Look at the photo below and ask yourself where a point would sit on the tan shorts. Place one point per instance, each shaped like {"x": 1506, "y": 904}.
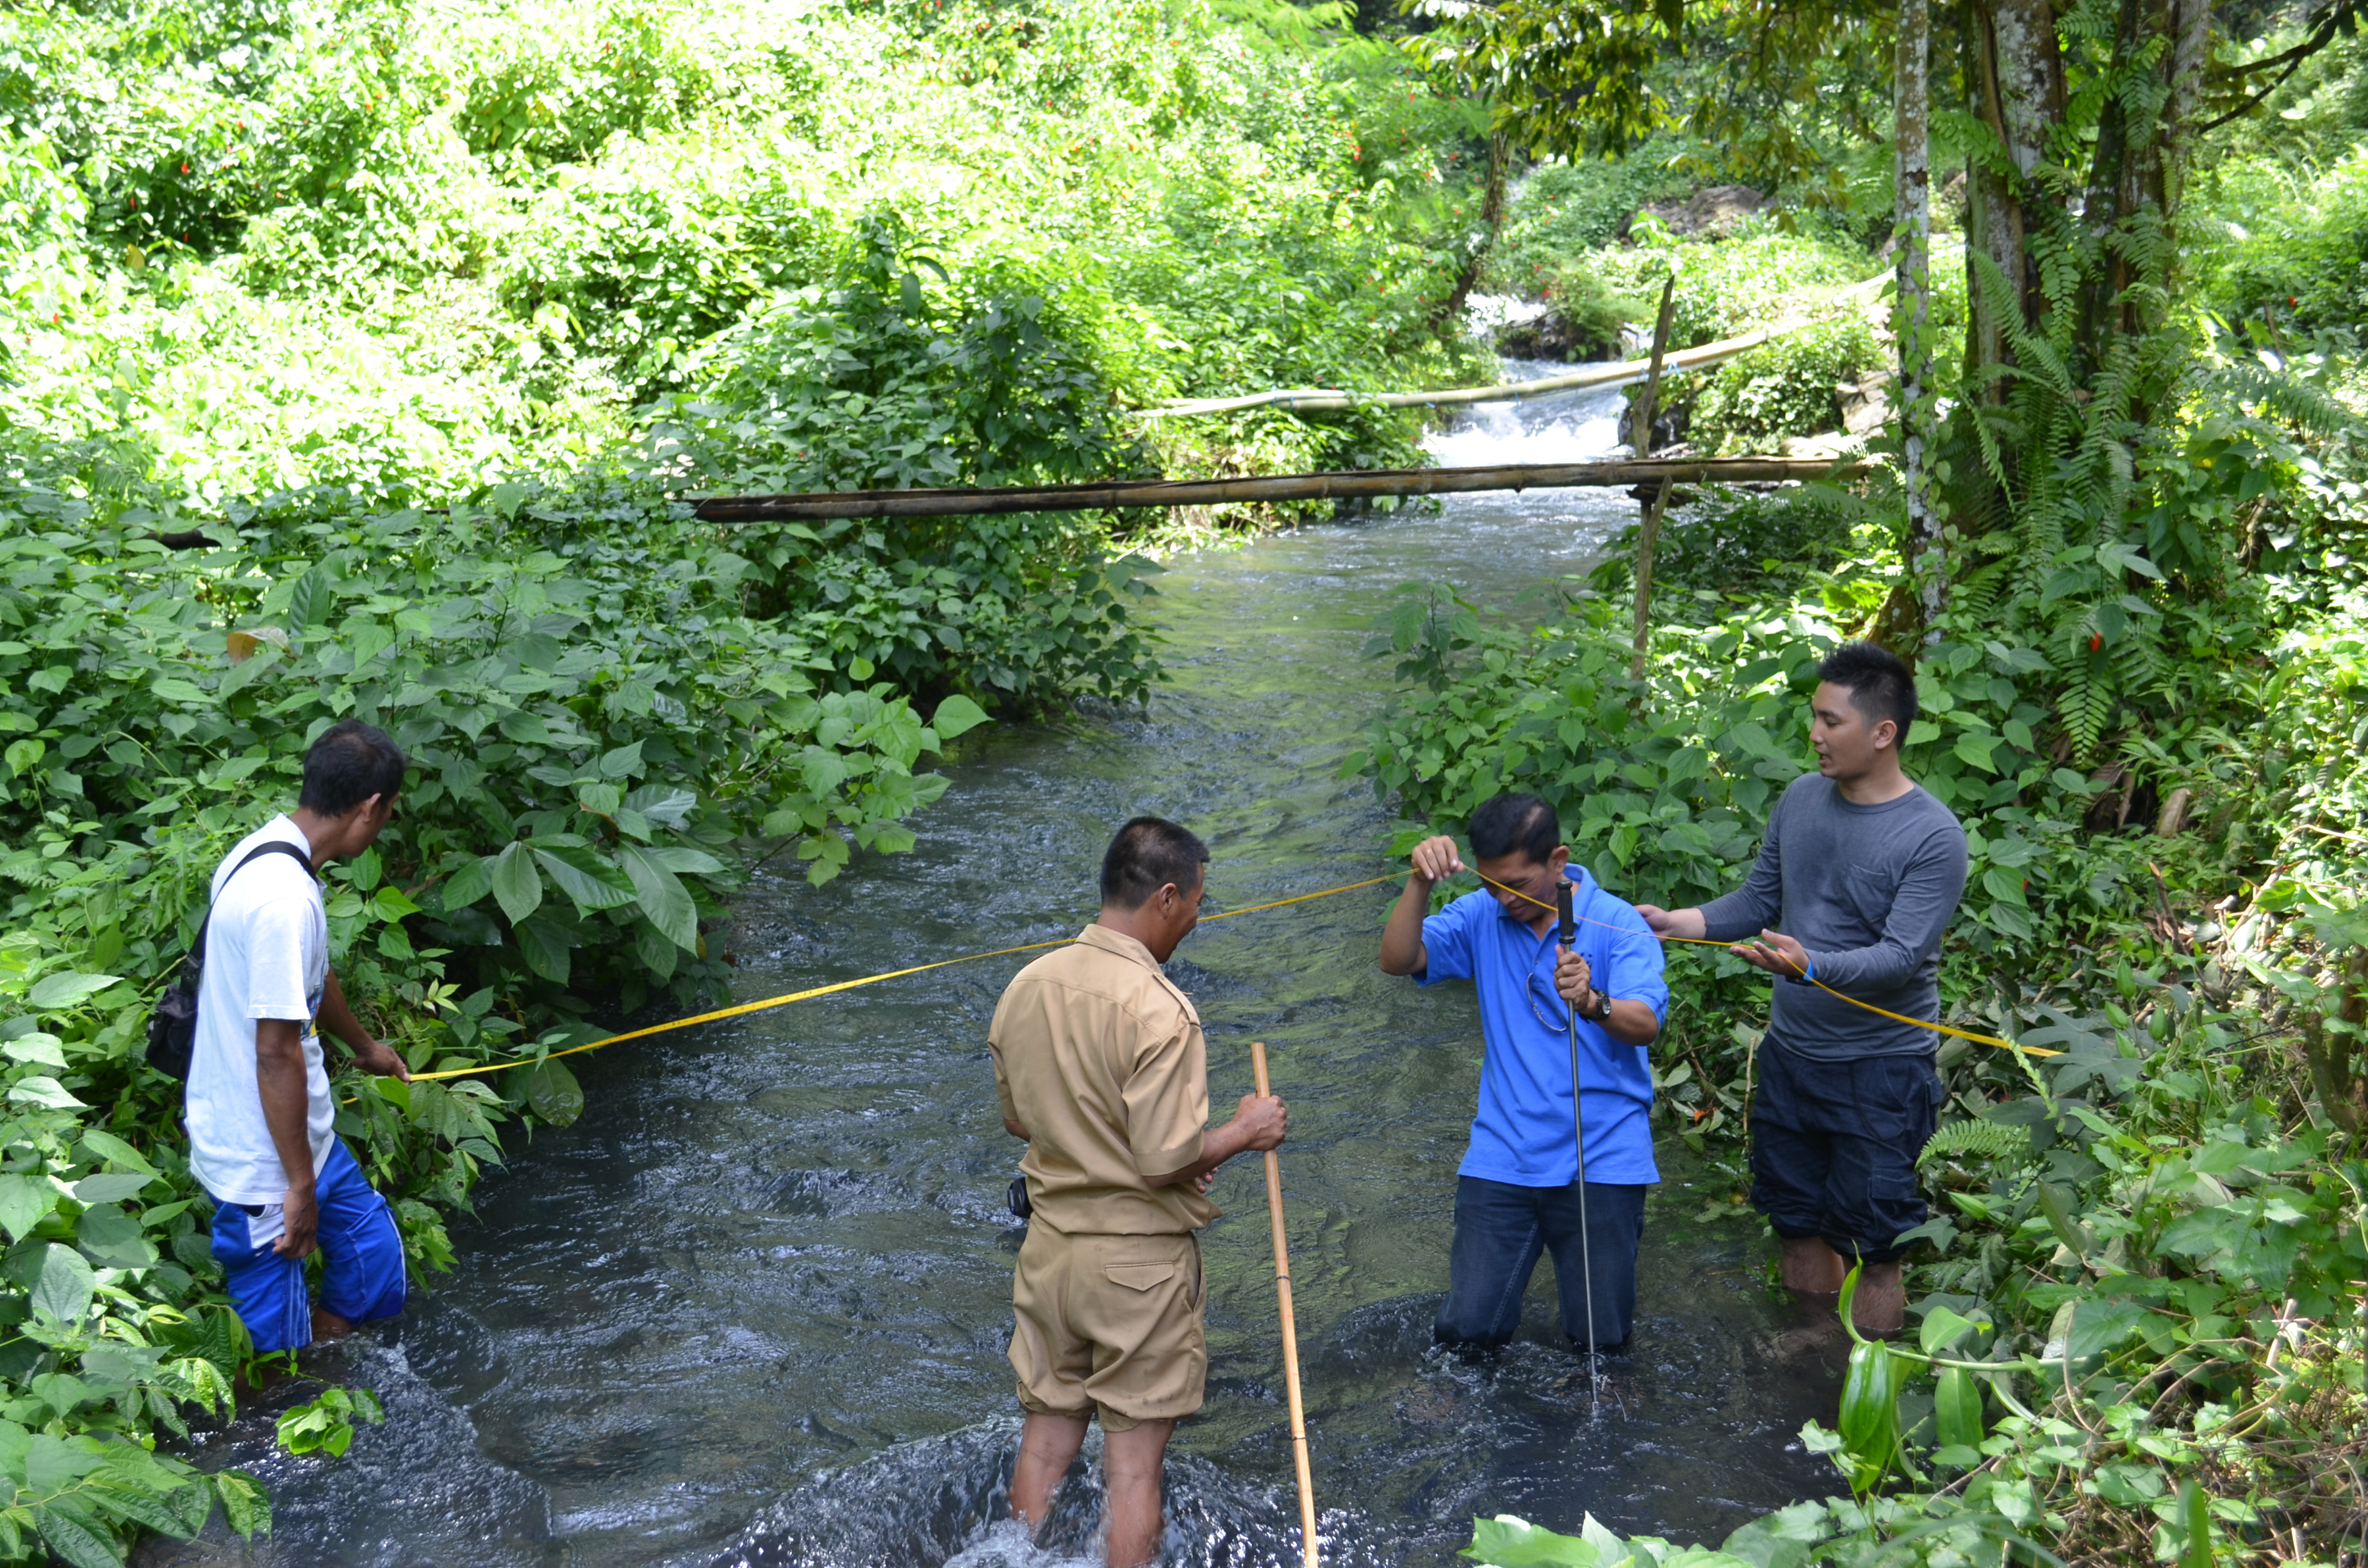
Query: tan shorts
{"x": 1108, "y": 1324}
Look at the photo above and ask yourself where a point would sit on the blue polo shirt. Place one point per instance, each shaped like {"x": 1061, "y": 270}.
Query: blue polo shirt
{"x": 1522, "y": 1133}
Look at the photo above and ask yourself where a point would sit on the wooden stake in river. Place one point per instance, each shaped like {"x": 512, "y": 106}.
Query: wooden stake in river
{"x": 1648, "y": 529}
{"x": 1289, "y": 1330}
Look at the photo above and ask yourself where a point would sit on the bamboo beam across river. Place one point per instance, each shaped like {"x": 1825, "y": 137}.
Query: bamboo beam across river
{"x": 1348, "y": 484}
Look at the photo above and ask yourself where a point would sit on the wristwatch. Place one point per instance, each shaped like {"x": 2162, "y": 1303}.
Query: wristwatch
{"x": 1602, "y": 1008}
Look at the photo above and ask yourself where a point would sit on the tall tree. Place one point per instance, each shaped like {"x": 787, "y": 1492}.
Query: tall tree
{"x": 1928, "y": 566}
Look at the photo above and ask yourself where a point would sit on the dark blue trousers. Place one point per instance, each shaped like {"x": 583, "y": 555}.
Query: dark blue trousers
{"x": 1834, "y": 1147}
{"x": 1500, "y": 1230}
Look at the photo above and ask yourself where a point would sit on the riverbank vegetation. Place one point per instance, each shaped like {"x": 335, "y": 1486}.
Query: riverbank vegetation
{"x": 357, "y": 360}
{"x": 360, "y": 360}
{"x": 2135, "y": 610}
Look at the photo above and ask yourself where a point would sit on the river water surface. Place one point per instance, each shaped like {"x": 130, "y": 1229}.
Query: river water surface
{"x": 751, "y": 1307}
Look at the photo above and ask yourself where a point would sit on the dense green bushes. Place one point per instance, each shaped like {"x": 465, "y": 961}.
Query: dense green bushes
{"x": 467, "y": 300}
{"x": 488, "y": 231}
{"x": 2135, "y": 1337}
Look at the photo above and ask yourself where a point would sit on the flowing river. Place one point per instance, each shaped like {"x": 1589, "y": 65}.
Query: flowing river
{"x": 752, "y": 1307}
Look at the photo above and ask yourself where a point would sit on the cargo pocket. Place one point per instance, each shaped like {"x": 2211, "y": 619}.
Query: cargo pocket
{"x": 1139, "y": 1275}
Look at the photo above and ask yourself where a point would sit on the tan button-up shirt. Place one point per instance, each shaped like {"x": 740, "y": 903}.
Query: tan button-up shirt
{"x": 1101, "y": 1060}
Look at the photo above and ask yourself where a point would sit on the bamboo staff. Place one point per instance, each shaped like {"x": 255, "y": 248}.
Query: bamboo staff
{"x": 1290, "y": 1329}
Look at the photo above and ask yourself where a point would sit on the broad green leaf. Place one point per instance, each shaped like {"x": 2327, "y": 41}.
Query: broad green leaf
{"x": 53, "y": 1462}
{"x": 72, "y": 1540}
{"x": 958, "y": 715}
{"x": 664, "y": 899}
{"x": 621, "y": 763}
{"x": 23, "y": 1200}
{"x": 518, "y": 887}
{"x": 1508, "y": 1542}
{"x": 63, "y": 1286}
{"x": 473, "y": 882}
{"x": 526, "y": 729}
{"x": 110, "y": 1188}
{"x": 553, "y": 1093}
{"x": 2099, "y": 1327}
{"x": 64, "y": 990}
{"x": 1941, "y": 1328}
{"x": 585, "y": 875}
{"x": 110, "y": 1238}
{"x": 685, "y": 861}
{"x": 662, "y": 804}
{"x": 44, "y": 1091}
{"x": 656, "y": 950}
{"x": 139, "y": 1506}
{"x": 308, "y": 605}
{"x": 544, "y": 946}
{"x": 38, "y": 1049}
{"x": 246, "y": 1507}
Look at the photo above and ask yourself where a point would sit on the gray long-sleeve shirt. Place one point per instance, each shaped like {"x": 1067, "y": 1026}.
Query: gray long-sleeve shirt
{"x": 1868, "y": 891}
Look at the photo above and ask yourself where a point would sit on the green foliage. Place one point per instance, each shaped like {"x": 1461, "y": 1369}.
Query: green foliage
{"x": 325, "y": 1424}
{"x": 1567, "y": 208}
{"x": 1789, "y": 387}
{"x": 425, "y": 244}
{"x": 2113, "y": 1282}
{"x": 1507, "y": 1541}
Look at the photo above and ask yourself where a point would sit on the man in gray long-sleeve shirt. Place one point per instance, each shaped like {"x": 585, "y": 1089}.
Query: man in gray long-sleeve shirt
{"x": 1863, "y": 869}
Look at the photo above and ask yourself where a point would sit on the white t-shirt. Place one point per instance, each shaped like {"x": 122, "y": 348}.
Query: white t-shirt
{"x": 267, "y": 957}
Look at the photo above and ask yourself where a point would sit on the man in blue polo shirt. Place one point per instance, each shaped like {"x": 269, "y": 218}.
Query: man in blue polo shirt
{"x": 1517, "y": 1193}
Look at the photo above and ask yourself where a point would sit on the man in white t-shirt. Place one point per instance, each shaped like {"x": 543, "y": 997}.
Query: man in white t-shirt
{"x": 259, "y": 1109}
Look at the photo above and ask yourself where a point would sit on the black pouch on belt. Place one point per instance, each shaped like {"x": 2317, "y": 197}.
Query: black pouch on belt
{"x": 1020, "y": 1204}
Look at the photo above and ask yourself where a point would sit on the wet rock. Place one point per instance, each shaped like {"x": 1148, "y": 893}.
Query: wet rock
{"x": 1866, "y": 403}
{"x": 1716, "y": 211}
{"x": 1546, "y": 336}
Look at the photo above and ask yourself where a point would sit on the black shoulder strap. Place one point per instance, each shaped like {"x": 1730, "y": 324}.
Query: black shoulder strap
{"x": 277, "y": 847}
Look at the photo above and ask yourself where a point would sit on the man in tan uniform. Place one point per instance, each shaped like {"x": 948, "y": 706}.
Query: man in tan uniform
{"x": 1100, "y": 1066}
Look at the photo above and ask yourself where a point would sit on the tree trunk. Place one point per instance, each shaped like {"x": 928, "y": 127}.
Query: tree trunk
{"x": 1927, "y": 558}
{"x": 2142, "y": 142}
{"x": 2016, "y": 79}
{"x": 1492, "y": 220}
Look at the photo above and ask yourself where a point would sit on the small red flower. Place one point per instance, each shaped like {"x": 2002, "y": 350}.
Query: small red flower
{"x": 2095, "y": 640}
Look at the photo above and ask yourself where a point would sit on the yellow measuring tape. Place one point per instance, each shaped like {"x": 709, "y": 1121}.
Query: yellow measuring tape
{"x": 852, "y": 985}
{"x": 1708, "y": 942}
{"x": 745, "y": 1007}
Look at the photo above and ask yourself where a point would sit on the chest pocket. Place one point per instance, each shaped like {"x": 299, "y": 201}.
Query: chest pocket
{"x": 1872, "y": 890}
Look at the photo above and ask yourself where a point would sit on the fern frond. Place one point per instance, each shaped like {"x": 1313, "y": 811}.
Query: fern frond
{"x": 1991, "y": 1140}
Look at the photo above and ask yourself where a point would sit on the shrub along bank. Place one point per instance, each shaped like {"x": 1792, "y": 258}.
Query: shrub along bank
{"x": 612, "y": 712}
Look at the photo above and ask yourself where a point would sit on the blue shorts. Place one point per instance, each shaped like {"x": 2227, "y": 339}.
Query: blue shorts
{"x": 362, "y": 1275}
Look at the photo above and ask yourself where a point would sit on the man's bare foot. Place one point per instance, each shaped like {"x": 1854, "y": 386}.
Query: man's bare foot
{"x": 1880, "y": 1306}
{"x": 1810, "y": 1267}
{"x": 327, "y": 1324}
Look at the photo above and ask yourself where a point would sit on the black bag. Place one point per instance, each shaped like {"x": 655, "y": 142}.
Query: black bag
{"x": 172, "y": 1026}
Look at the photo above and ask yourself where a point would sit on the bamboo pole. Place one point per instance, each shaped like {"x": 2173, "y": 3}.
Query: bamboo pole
{"x": 1649, "y": 528}
{"x": 1290, "y": 1329}
{"x": 1342, "y": 485}
{"x": 1335, "y": 400}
